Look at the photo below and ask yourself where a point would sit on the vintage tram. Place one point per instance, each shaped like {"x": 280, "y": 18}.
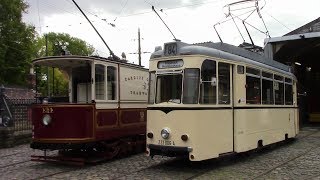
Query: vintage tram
{"x": 207, "y": 100}
{"x": 104, "y": 113}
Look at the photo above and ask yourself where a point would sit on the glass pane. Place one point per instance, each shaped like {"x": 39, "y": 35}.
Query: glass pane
{"x": 267, "y": 92}
{"x": 267, "y": 75}
{"x": 208, "y": 87}
{"x": 253, "y": 90}
{"x": 208, "y": 70}
{"x": 253, "y": 71}
{"x": 278, "y": 93}
{"x": 111, "y": 83}
{"x": 288, "y": 80}
{"x": 240, "y": 69}
{"x": 289, "y": 94}
{"x": 208, "y": 93}
{"x": 100, "y": 81}
{"x": 224, "y": 83}
{"x": 279, "y": 78}
{"x": 169, "y": 88}
{"x": 191, "y": 86}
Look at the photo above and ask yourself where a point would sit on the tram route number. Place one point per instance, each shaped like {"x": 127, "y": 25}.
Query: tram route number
{"x": 171, "y": 49}
{"x": 166, "y": 142}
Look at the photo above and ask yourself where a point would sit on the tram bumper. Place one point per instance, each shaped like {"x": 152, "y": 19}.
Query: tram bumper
{"x": 170, "y": 151}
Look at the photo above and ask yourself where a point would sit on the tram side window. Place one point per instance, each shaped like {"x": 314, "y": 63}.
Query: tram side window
{"x": 224, "y": 83}
{"x": 278, "y": 90}
{"x": 253, "y": 86}
{"x": 288, "y": 92}
{"x": 208, "y": 87}
{"x": 191, "y": 86}
{"x": 111, "y": 82}
{"x": 169, "y": 88}
{"x": 152, "y": 78}
{"x": 267, "y": 88}
{"x": 100, "y": 81}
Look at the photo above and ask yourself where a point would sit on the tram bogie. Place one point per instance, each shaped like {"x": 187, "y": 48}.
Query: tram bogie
{"x": 207, "y": 100}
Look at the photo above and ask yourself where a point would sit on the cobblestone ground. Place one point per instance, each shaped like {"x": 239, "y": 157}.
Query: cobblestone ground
{"x": 299, "y": 159}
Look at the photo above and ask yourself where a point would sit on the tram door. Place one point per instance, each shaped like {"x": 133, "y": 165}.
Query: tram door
{"x": 225, "y": 95}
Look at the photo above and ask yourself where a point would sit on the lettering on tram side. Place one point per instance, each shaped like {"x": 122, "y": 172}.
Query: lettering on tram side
{"x": 47, "y": 110}
{"x": 166, "y": 143}
{"x": 138, "y": 79}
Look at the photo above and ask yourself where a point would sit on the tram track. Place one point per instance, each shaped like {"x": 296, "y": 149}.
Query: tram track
{"x": 13, "y": 164}
{"x": 120, "y": 173}
{"x": 285, "y": 162}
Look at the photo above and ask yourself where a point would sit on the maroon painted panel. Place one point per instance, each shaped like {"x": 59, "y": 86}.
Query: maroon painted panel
{"x": 132, "y": 122}
{"x": 68, "y": 121}
{"x": 132, "y": 116}
{"x": 107, "y": 118}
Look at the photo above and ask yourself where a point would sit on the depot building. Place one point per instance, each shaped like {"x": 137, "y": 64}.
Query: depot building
{"x": 300, "y": 49}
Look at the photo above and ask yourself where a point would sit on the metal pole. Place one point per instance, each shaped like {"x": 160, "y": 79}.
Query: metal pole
{"x": 139, "y": 47}
{"x": 48, "y": 84}
{"x": 164, "y": 24}
{"x": 53, "y": 81}
{"x": 111, "y": 53}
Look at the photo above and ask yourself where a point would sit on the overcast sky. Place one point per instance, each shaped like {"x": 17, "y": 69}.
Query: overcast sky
{"x": 191, "y": 21}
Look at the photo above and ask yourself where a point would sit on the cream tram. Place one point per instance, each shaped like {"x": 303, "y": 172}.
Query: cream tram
{"x": 211, "y": 99}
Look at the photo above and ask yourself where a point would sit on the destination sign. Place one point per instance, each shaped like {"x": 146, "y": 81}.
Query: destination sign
{"x": 170, "y": 64}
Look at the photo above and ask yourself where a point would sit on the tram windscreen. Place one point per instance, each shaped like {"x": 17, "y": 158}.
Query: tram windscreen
{"x": 169, "y": 88}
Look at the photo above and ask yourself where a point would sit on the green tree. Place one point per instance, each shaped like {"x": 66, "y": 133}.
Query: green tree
{"x": 16, "y": 43}
{"x": 57, "y": 44}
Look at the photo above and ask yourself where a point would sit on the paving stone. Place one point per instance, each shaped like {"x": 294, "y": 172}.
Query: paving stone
{"x": 299, "y": 159}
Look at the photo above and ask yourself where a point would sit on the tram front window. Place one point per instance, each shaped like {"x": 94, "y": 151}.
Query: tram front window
{"x": 169, "y": 88}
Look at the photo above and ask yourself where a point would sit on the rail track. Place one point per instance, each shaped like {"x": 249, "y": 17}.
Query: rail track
{"x": 139, "y": 166}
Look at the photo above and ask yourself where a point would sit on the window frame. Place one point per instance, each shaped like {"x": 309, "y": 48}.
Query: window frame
{"x": 201, "y": 99}
{"x": 95, "y": 82}
{"x": 254, "y": 75}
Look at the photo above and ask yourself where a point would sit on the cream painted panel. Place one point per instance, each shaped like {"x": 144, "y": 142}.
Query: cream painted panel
{"x": 133, "y": 84}
{"x": 269, "y": 125}
{"x": 209, "y": 131}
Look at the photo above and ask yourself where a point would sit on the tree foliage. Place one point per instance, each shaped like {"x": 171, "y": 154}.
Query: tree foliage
{"x": 56, "y": 44}
{"x": 19, "y": 44}
{"x": 16, "y": 43}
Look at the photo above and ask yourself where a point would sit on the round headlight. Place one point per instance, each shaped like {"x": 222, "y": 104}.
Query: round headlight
{"x": 165, "y": 133}
{"x": 46, "y": 120}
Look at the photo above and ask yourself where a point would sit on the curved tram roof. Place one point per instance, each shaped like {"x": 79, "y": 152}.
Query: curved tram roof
{"x": 71, "y": 61}
{"x": 224, "y": 51}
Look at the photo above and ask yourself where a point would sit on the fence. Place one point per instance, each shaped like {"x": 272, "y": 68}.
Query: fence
{"x": 15, "y": 125}
{"x": 19, "y": 111}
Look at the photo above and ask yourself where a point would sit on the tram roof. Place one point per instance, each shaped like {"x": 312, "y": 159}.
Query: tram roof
{"x": 222, "y": 50}
{"x": 70, "y": 61}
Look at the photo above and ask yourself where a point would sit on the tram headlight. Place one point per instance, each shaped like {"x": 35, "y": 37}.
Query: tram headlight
{"x": 46, "y": 120}
{"x": 165, "y": 133}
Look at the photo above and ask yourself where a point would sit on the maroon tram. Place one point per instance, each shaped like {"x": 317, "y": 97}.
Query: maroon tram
{"x": 105, "y": 112}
